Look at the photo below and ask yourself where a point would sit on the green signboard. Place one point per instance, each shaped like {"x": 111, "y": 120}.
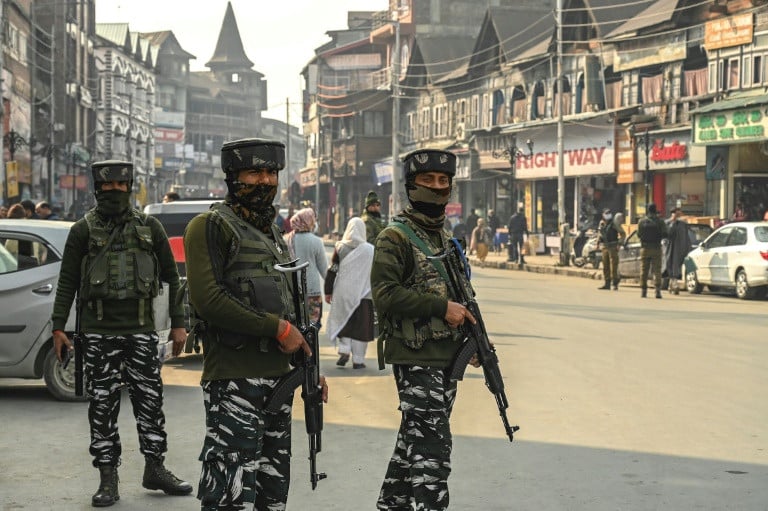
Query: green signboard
{"x": 730, "y": 126}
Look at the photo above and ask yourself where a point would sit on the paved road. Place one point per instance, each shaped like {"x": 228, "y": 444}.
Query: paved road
{"x": 623, "y": 403}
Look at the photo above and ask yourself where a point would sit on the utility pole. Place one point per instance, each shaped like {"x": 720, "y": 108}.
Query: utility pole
{"x": 3, "y": 176}
{"x": 286, "y": 182}
{"x": 52, "y": 119}
{"x": 564, "y": 250}
{"x": 395, "y": 80}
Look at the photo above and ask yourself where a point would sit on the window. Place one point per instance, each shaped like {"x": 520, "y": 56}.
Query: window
{"x": 373, "y": 123}
{"x": 413, "y": 126}
{"x": 720, "y": 239}
{"x": 424, "y": 123}
{"x": 474, "y": 112}
{"x": 439, "y": 121}
{"x": 19, "y": 252}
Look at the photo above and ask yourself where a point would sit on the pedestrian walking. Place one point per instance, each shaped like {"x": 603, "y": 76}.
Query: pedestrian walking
{"x": 610, "y": 234}
{"x": 481, "y": 241}
{"x": 372, "y": 217}
{"x": 115, "y": 258}
{"x": 493, "y": 224}
{"x": 305, "y": 245}
{"x": 517, "y": 229}
{"x": 351, "y": 318}
{"x": 651, "y": 230}
{"x": 418, "y": 323}
{"x": 678, "y": 246}
{"x": 242, "y": 306}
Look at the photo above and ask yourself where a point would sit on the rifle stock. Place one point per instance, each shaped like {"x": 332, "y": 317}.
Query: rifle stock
{"x": 475, "y": 335}
{"x": 306, "y": 371}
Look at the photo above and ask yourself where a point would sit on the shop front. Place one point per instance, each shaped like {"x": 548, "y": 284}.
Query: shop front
{"x": 676, "y": 172}
{"x": 589, "y": 165}
{"x": 734, "y": 134}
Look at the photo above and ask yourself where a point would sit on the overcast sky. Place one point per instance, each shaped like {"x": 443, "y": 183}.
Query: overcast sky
{"x": 278, "y": 37}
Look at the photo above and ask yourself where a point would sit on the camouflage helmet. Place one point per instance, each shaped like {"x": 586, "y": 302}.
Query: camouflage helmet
{"x": 111, "y": 170}
{"x": 429, "y": 160}
{"x": 252, "y": 153}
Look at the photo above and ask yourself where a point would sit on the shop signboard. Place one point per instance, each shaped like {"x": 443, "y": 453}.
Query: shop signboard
{"x": 730, "y": 126}
{"x": 587, "y": 150}
{"x": 727, "y": 32}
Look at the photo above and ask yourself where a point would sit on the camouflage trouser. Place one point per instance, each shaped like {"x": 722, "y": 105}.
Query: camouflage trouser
{"x": 247, "y": 452}
{"x": 610, "y": 255}
{"x": 108, "y": 360}
{"x": 419, "y": 468}
{"x": 650, "y": 256}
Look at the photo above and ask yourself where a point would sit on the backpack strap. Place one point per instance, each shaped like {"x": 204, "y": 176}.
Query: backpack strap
{"x": 406, "y": 229}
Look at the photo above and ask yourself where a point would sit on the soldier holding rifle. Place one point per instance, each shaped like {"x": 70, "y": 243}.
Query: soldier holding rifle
{"x": 244, "y": 309}
{"x": 114, "y": 260}
{"x": 420, "y": 325}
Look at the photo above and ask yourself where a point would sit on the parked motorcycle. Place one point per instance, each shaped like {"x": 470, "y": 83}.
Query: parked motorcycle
{"x": 585, "y": 249}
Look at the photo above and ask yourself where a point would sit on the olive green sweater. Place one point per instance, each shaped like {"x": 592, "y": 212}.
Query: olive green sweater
{"x": 120, "y": 317}
{"x": 393, "y": 263}
{"x": 208, "y": 245}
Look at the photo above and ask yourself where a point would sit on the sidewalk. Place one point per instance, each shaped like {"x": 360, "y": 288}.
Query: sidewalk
{"x": 540, "y": 263}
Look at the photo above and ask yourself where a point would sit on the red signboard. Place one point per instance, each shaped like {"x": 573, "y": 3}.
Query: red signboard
{"x": 169, "y": 134}
{"x": 672, "y": 152}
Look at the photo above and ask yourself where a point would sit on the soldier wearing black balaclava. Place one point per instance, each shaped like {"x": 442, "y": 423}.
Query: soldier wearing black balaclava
{"x": 115, "y": 258}
{"x": 242, "y": 307}
{"x": 418, "y": 322}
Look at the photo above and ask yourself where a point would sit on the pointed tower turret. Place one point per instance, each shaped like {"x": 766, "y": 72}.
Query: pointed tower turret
{"x": 229, "y": 54}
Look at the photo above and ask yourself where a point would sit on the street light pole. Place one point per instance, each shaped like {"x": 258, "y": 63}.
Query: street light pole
{"x": 511, "y": 154}
{"x": 648, "y": 176}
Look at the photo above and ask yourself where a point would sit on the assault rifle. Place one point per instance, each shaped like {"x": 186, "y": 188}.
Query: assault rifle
{"x": 475, "y": 336}
{"x": 77, "y": 340}
{"x": 305, "y": 372}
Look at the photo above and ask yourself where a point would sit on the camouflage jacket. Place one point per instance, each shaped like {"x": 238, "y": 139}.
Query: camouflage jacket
{"x": 411, "y": 299}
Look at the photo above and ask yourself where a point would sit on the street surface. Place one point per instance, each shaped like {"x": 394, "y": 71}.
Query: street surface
{"x": 623, "y": 403}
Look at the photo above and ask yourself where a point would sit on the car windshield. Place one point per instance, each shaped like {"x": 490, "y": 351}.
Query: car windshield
{"x": 761, "y": 233}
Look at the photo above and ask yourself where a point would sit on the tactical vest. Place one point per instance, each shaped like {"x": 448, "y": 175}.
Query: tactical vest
{"x": 610, "y": 235}
{"x": 425, "y": 279}
{"x": 649, "y": 231}
{"x": 250, "y": 276}
{"x": 120, "y": 265}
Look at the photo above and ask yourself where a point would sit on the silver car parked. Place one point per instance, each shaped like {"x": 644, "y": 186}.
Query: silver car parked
{"x": 735, "y": 257}
{"x": 30, "y": 260}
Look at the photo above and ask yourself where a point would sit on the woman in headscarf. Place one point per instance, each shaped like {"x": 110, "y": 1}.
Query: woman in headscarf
{"x": 305, "y": 246}
{"x": 351, "y": 317}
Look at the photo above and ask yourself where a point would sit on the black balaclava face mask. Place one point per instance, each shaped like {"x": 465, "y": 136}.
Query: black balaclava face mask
{"x": 253, "y": 203}
{"x": 112, "y": 203}
{"x": 428, "y": 202}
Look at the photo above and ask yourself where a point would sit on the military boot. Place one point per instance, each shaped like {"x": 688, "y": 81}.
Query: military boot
{"x": 658, "y": 292}
{"x": 643, "y": 292}
{"x": 107, "y": 493}
{"x": 157, "y": 477}
{"x": 616, "y": 285}
{"x": 607, "y": 285}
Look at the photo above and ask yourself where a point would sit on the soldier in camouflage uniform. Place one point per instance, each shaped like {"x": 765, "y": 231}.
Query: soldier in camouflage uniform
{"x": 651, "y": 230}
{"x": 242, "y": 306}
{"x": 418, "y": 323}
{"x": 115, "y": 257}
{"x": 372, "y": 217}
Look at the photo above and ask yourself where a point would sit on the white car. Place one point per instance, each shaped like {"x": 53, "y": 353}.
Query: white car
{"x": 735, "y": 257}
{"x": 30, "y": 260}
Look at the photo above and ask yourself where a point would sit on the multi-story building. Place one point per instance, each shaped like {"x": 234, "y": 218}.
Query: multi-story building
{"x": 224, "y": 103}
{"x": 125, "y": 104}
{"x": 172, "y": 154}
{"x": 18, "y": 180}
{"x": 64, "y": 88}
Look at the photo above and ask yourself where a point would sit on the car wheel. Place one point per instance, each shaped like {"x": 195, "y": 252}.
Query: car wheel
{"x": 60, "y": 381}
{"x": 743, "y": 290}
{"x": 692, "y": 283}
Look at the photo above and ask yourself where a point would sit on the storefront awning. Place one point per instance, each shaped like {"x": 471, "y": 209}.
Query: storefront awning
{"x": 742, "y": 100}
{"x": 736, "y": 120}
